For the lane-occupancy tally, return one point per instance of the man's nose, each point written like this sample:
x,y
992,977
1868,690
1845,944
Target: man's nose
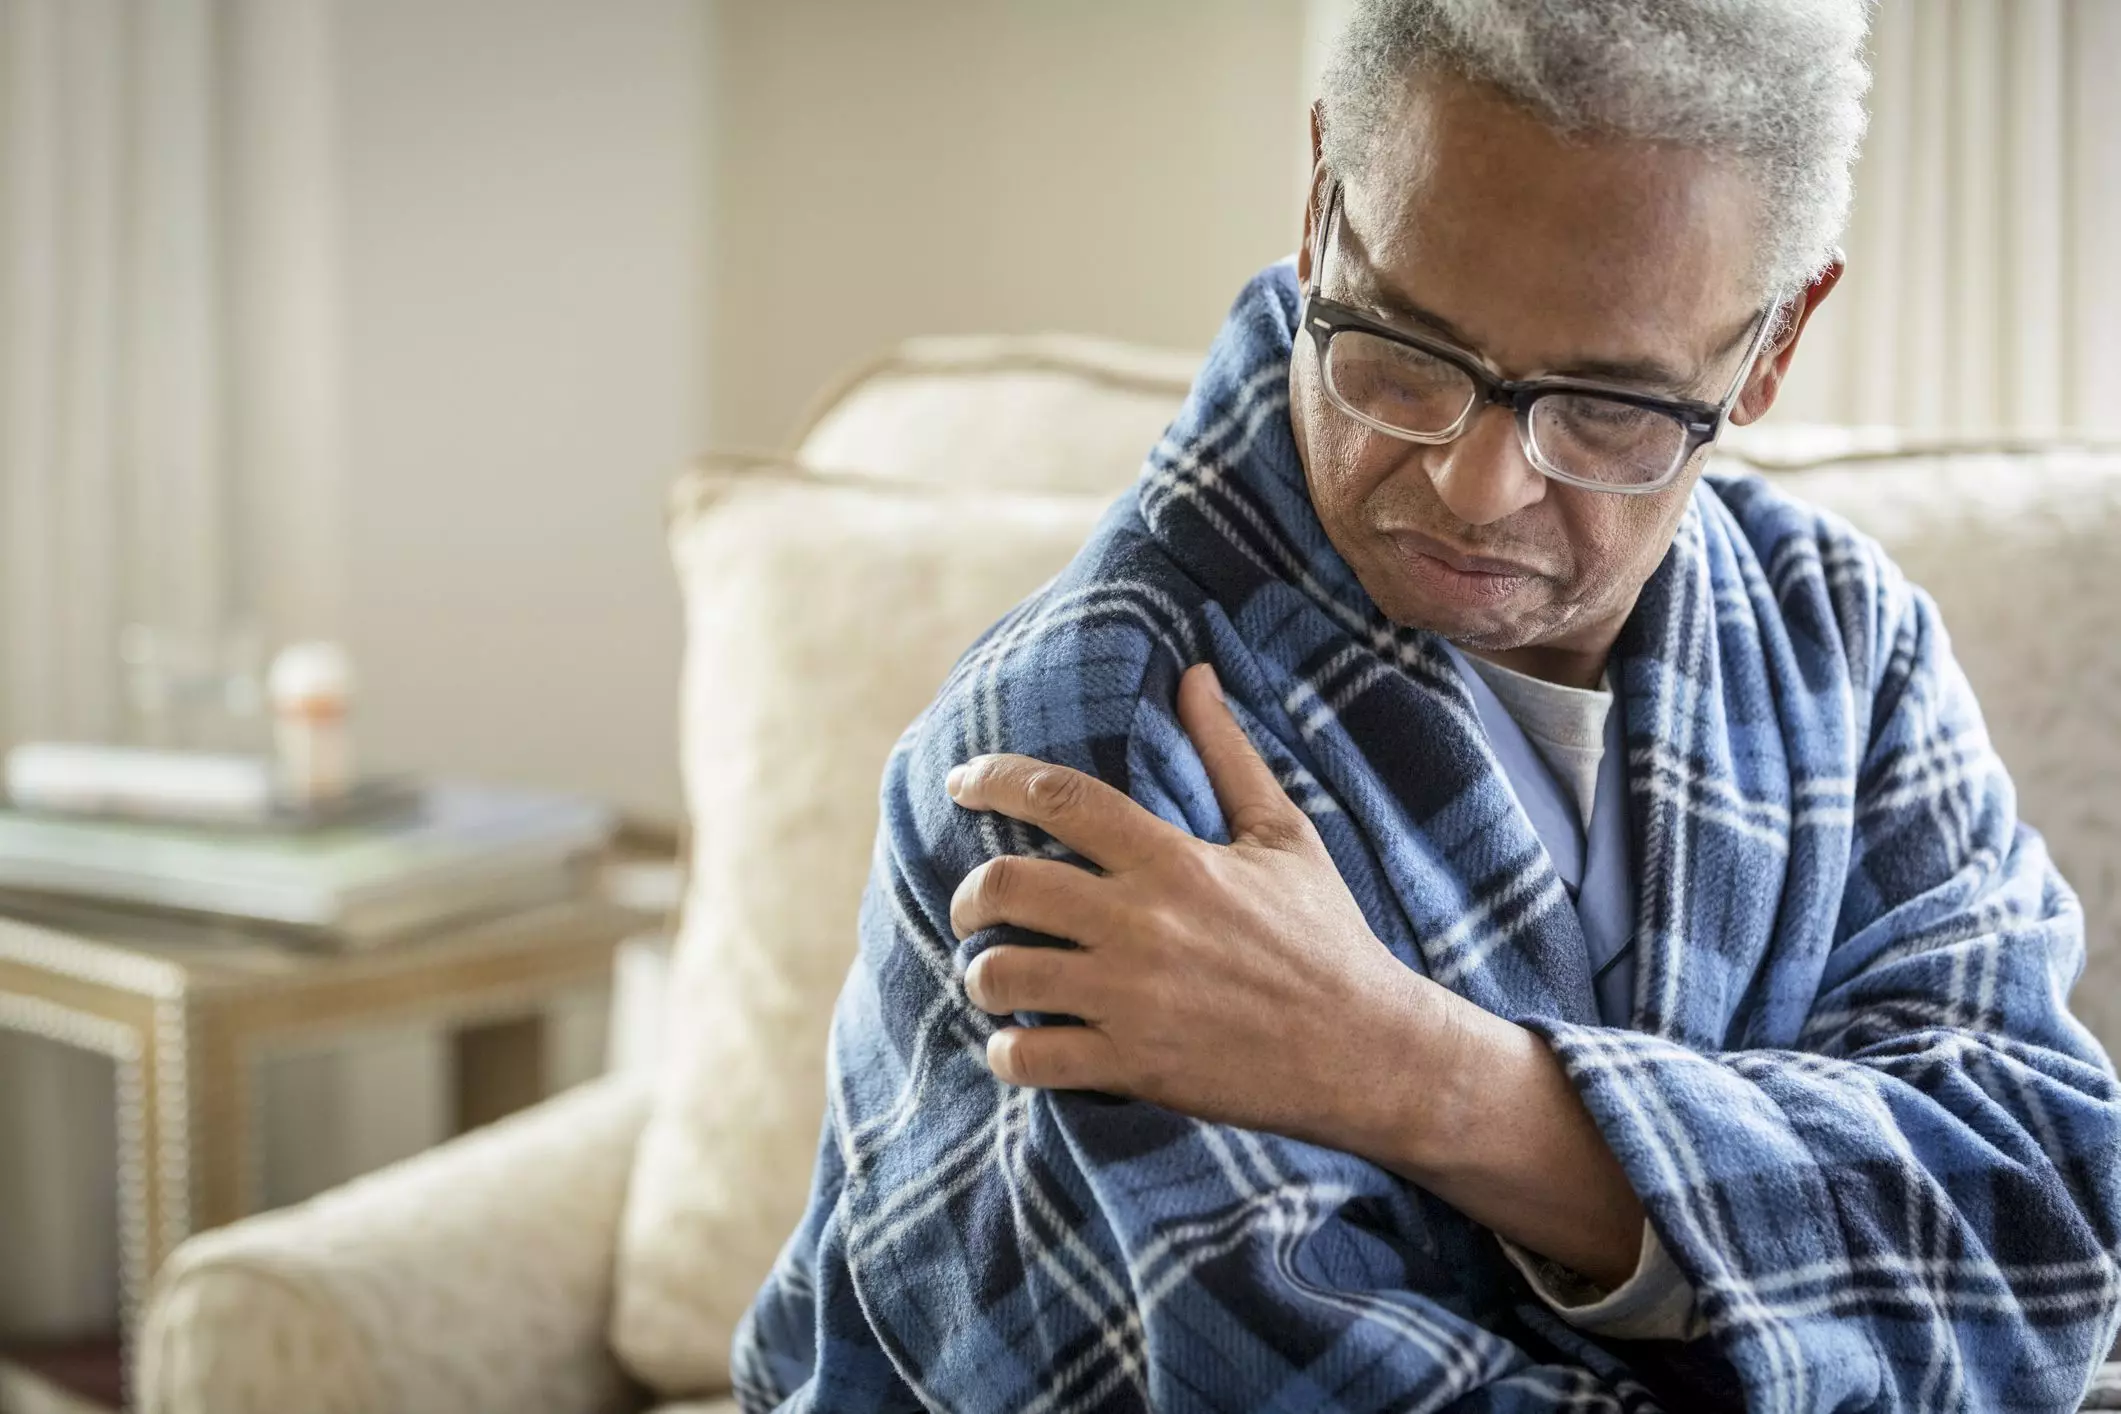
x,y
1483,475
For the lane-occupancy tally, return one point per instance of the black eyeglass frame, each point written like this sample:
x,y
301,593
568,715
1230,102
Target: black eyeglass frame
x,y
1325,318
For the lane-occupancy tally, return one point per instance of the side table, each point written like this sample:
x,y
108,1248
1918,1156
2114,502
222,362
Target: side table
x,y
189,1010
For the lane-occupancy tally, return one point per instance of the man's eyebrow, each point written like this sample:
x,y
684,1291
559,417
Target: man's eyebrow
x,y
1648,374
1645,373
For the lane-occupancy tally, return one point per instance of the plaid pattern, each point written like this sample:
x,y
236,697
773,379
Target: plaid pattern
x,y
1852,1099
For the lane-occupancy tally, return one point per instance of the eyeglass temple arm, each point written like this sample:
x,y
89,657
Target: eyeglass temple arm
x,y
1764,326
1321,235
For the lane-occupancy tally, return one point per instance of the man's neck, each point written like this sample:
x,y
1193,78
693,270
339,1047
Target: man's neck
x,y
1571,667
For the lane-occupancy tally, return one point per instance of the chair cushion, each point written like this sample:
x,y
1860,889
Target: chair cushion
x,y
1047,413
2022,553
822,614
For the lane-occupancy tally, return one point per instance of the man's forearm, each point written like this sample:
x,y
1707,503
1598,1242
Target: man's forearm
x,y
1486,1120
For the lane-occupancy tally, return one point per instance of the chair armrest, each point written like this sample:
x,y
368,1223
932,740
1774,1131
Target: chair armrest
x,y
475,1277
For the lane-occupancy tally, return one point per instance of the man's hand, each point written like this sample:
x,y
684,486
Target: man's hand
x,y
1240,984
1236,983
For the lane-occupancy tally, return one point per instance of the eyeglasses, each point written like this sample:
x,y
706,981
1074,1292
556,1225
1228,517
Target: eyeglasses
x,y
1578,431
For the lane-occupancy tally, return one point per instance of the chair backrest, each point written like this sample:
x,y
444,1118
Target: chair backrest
x,y
1042,413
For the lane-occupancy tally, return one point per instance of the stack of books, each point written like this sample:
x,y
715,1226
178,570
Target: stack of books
x,y
424,857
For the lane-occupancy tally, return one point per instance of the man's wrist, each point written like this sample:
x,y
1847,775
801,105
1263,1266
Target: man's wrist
x,y
1493,1126
1414,1119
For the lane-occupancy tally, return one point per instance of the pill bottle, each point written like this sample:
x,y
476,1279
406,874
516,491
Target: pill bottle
x,y
310,687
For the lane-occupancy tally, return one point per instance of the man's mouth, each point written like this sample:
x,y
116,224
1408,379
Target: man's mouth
x,y
1464,561
1446,572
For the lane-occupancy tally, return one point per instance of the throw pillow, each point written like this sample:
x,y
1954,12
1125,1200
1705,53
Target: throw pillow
x,y
822,614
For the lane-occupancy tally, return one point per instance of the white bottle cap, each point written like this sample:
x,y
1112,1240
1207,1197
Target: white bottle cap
x,y
310,674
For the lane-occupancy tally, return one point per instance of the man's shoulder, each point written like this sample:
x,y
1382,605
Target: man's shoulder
x,y
1063,673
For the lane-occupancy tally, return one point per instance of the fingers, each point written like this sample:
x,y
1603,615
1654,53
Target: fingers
x,y
1082,812
1044,895
1055,1058
1008,979
1254,805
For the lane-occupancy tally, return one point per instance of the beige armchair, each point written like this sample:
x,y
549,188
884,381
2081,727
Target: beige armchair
x,y
485,1275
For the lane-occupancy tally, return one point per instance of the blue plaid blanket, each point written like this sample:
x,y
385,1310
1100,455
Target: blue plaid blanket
x,y
1852,1099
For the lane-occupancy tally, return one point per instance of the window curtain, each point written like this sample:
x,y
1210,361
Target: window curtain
x,y
168,378
114,498
1982,294
167,458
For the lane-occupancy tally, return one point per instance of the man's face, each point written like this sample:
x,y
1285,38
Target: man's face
x,y
1625,262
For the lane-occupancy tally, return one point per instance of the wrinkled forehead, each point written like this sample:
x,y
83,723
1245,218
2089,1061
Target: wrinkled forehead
x,y
1545,250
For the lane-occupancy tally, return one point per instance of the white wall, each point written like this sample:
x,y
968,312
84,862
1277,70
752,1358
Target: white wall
x,y
523,332
1113,167
581,241
576,242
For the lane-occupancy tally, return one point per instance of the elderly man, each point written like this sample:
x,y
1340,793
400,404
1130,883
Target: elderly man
x,y
1442,905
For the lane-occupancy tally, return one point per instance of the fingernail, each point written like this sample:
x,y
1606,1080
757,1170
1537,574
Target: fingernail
x,y
1215,683
955,781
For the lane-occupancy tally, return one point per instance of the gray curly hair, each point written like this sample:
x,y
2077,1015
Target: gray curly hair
x,y
1776,84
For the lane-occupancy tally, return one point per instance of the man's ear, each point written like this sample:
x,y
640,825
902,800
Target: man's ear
x,y
1312,195
1773,365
